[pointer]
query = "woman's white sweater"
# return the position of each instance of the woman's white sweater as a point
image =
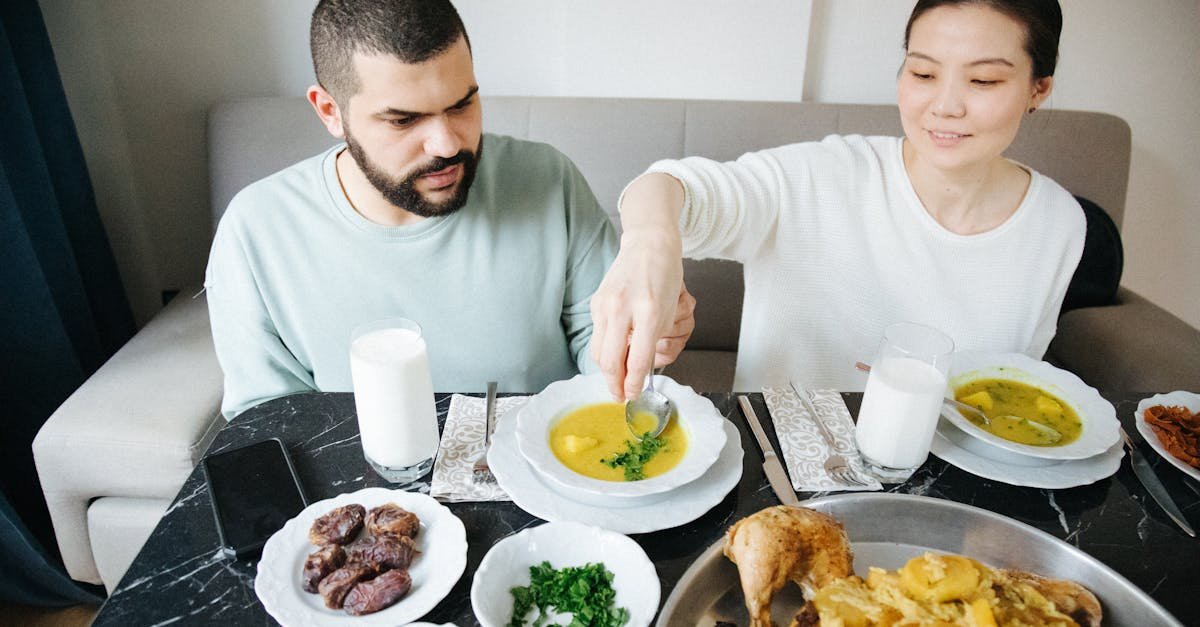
(836, 246)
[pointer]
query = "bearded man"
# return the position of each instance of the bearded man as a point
(492, 244)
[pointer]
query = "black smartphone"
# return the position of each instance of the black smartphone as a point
(254, 491)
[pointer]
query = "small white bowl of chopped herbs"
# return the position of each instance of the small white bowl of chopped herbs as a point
(563, 569)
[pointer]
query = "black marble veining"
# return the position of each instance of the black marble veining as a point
(180, 578)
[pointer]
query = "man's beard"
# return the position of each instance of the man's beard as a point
(403, 192)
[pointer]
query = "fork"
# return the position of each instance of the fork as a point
(480, 473)
(835, 465)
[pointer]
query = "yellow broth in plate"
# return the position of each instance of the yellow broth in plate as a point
(588, 437)
(1020, 412)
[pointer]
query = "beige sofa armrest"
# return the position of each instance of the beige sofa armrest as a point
(135, 428)
(1133, 346)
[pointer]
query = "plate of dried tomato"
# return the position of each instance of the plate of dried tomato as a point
(1171, 424)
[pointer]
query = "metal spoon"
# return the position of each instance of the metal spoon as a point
(971, 409)
(653, 403)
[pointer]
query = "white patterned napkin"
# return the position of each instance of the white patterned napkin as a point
(462, 442)
(804, 450)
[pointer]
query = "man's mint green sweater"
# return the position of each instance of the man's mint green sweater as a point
(500, 287)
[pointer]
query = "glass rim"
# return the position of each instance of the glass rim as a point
(392, 322)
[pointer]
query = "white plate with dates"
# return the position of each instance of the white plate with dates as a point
(442, 542)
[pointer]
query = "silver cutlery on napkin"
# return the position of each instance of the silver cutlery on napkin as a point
(771, 466)
(835, 464)
(1150, 481)
(480, 471)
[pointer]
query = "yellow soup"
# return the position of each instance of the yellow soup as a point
(1020, 412)
(586, 438)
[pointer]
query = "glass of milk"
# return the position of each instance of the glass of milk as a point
(393, 394)
(902, 400)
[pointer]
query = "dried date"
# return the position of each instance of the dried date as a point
(378, 593)
(382, 553)
(392, 519)
(320, 564)
(339, 583)
(339, 526)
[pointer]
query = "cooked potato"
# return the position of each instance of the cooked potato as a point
(939, 578)
(981, 613)
(981, 400)
(575, 444)
(1048, 407)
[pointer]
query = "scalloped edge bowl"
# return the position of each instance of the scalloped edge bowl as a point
(564, 544)
(1101, 429)
(1191, 400)
(696, 414)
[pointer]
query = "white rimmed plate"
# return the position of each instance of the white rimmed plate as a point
(1101, 429)
(1190, 400)
(696, 414)
(948, 445)
(680, 506)
(564, 544)
(442, 542)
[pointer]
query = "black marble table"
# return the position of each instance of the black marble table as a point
(179, 578)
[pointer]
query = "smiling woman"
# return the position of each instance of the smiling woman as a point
(841, 237)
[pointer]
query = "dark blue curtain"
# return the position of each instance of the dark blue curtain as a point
(63, 310)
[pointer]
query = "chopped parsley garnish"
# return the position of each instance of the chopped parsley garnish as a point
(584, 591)
(634, 459)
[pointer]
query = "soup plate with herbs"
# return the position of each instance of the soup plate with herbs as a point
(1034, 410)
(576, 439)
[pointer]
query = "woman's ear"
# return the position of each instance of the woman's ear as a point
(1041, 91)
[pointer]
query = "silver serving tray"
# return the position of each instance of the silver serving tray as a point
(886, 530)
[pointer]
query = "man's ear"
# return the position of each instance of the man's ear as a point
(327, 109)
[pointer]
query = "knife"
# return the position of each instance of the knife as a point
(771, 466)
(1150, 481)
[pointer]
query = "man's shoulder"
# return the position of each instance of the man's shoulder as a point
(515, 153)
(300, 183)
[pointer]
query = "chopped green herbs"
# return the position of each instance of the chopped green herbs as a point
(584, 591)
(636, 454)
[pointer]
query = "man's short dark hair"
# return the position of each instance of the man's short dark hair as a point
(411, 30)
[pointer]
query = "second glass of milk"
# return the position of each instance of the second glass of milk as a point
(902, 400)
(393, 394)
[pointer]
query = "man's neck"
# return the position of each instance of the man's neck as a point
(364, 198)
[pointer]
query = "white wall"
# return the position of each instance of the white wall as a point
(1137, 60)
(620, 48)
(139, 75)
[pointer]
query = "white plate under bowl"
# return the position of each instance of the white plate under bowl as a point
(677, 507)
(699, 419)
(1189, 400)
(564, 544)
(442, 542)
(1100, 427)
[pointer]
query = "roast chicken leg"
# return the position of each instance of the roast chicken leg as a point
(781, 544)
